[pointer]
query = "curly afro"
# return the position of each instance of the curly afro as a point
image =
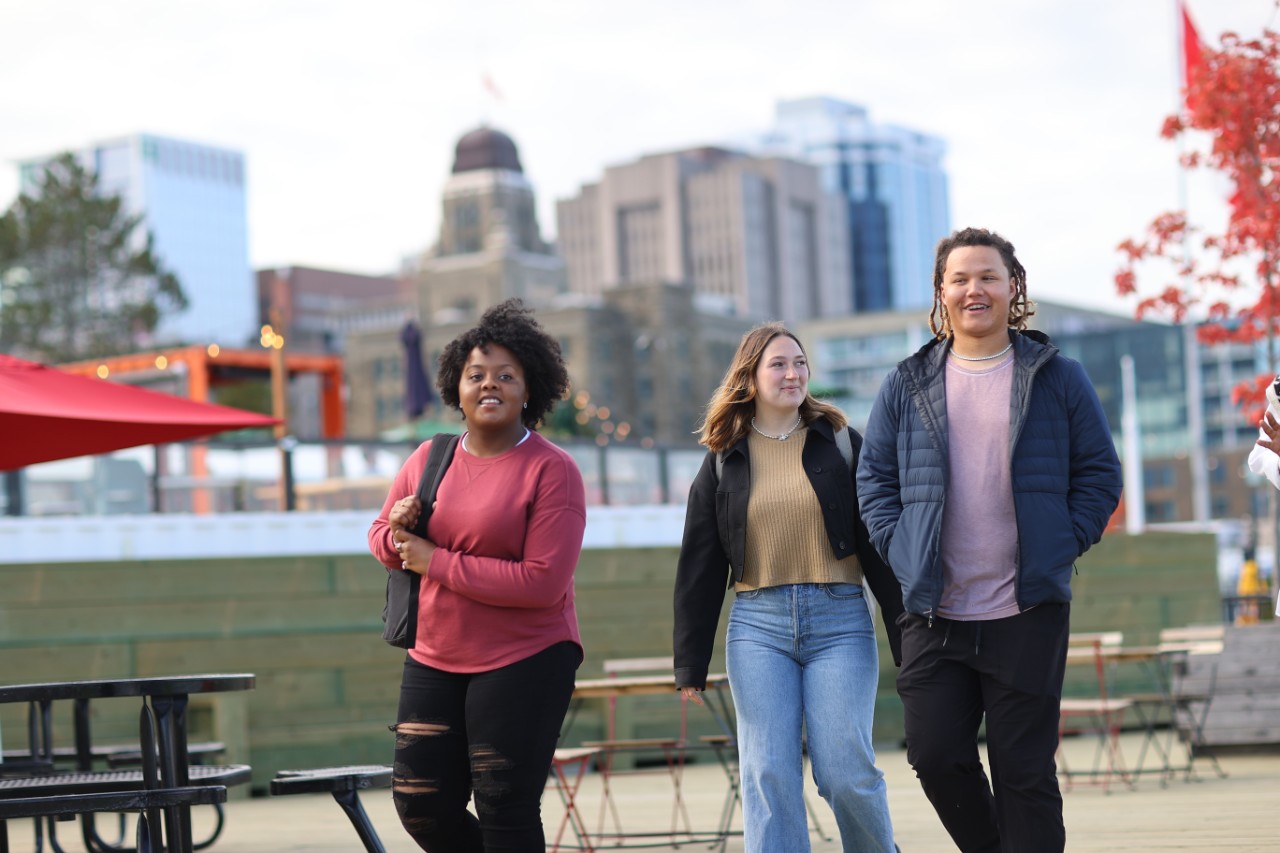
(510, 324)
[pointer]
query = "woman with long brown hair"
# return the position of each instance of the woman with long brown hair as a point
(773, 515)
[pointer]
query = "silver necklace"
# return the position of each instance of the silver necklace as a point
(517, 444)
(780, 437)
(981, 357)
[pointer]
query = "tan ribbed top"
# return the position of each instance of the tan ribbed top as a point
(786, 538)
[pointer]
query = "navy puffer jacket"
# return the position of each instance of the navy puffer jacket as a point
(1066, 475)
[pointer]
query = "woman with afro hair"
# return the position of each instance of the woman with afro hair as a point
(486, 685)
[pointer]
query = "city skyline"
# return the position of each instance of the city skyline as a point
(1051, 112)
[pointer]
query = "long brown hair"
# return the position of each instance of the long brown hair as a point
(732, 406)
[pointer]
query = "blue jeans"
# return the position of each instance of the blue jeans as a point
(806, 653)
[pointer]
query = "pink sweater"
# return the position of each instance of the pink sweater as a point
(508, 531)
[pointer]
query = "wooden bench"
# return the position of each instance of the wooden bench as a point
(1244, 681)
(345, 784)
(147, 803)
(1196, 639)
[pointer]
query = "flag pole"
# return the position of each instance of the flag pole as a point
(1198, 457)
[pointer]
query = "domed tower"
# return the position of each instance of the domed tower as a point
(490, 247)
(488, 202)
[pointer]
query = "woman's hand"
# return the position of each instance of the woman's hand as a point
(693, 694)
(404, 514)
(415, 551)
(1272, 429)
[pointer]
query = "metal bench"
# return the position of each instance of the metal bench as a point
(114, 755)
(84, 785)
(147, 803)
(345, 784)
(113, 781)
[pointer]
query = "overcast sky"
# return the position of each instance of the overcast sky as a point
(348, 111)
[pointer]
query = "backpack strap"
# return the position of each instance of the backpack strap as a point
(438, 458)
(846, 446)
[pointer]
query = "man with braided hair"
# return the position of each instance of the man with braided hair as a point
(987, 469)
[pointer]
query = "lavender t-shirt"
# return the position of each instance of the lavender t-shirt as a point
(979, 530)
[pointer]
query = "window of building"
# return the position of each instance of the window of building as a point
(467, 235)
(639, 242)
(1158, 476)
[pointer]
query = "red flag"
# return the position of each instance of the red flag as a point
(1192, 56)
(492, 88)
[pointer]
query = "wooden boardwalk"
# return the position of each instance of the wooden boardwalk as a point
(1236, 813)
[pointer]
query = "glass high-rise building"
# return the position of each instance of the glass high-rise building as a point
(191, 197)
(895, 185)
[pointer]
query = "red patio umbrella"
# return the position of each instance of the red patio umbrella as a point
(47, 414)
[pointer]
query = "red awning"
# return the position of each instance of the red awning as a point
(46, 414)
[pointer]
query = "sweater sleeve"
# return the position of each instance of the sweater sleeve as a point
(552, 546)
(405, 484)
(1262, 461)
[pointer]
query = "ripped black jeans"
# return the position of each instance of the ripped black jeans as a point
(491, 734)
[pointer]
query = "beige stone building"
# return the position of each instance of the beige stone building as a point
(760, 233)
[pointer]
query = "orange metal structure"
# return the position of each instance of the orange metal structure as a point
(202, 366)
(203, 363)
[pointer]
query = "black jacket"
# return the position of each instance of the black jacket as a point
(715, 543)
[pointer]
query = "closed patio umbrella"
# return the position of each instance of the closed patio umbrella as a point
(46, 414)
(417, 387)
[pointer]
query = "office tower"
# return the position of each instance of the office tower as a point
(191, 197)
(895, 187)
(758, 233)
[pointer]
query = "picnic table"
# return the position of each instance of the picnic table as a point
(674, 749)
(163, 749)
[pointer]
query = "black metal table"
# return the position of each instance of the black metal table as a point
(164, 713)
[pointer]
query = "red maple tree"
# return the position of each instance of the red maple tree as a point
(1232, 99)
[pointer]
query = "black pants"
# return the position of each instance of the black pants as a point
(491, 734)
(1009, 670)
